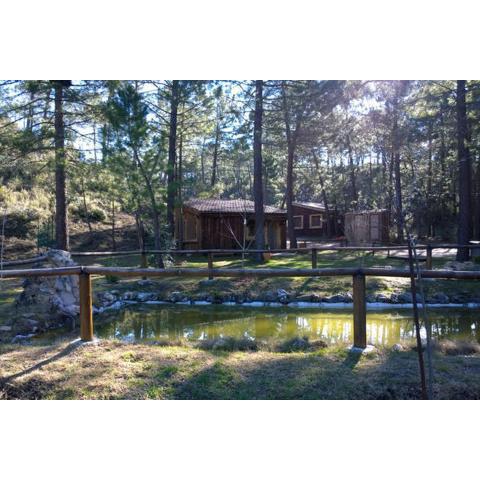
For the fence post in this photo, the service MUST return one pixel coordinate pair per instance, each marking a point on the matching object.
(86, 319)
(314, 258)
(359, 311)
(428, 263)
(210, 265)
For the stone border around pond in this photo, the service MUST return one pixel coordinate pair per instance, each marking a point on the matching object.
(123, 303)
(115, 299)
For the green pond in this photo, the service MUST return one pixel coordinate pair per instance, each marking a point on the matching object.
(173, 322)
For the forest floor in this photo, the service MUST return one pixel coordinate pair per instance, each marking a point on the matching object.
(115, 370)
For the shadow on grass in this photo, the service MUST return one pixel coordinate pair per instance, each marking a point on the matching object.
(194, 374)
(62, 353)
(297, 376)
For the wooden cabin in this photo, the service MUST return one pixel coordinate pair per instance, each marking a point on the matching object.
(227, 224)
(310, 220)
(367, 228)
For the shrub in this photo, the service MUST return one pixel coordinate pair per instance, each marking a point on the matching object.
(229, 344)
(21, 223)
(300, 344)
(94, 214)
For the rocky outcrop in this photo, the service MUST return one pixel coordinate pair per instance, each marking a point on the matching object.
(48, 301)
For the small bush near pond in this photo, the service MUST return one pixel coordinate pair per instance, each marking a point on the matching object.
(229, 344)
(300, 344)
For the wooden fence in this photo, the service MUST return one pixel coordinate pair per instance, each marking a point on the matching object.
(358, 280)
(312, 250)
(211, 253)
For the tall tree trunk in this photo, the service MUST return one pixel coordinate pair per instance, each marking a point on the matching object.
(398, 198)
(61, 221)
(180, 185)
(202, 162)
(476, 204)
(353, 186)
(140, 229)
(85, 206)
(396, 168)
(215, 153)
(172, 144)
(291, 143)
(429, 218)
(324, 194)
(114, 243)
(258, 170)
(464, 175)
(154, 207)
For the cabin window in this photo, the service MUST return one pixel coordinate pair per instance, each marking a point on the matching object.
(316, 221)
(298, 222)
(190, 229)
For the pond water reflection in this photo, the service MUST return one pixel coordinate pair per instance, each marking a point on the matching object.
(172, 322)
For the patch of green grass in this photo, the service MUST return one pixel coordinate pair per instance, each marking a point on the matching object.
(166, 372)
(129, 357)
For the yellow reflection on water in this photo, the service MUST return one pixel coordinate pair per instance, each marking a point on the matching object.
(206, 322)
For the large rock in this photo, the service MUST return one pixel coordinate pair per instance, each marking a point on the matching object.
(50, 300)
(282, 296)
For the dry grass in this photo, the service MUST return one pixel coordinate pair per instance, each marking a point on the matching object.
(113, 370)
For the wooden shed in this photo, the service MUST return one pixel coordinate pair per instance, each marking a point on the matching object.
(367, 228)
(310, 220)
(227, 224)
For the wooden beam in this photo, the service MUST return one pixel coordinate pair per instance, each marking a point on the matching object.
(359, 312)
(238, 272)
(40, 272)
(274, 272)
(86, 317)
(26, 261)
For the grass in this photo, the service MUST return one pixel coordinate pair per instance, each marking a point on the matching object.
(112, 370)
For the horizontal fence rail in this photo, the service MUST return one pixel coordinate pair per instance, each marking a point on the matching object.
(428, 248)
(25, 261)
(237, 251)
(358, 281)
(238, 272)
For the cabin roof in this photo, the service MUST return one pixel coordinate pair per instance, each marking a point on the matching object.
(215, 205)
(311, 205)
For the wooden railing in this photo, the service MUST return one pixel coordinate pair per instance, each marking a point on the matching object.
(358, 280)
(211, 253)
(428, 248)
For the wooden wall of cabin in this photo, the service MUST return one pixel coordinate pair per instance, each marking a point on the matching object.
(221, 231)
(226, 231)
(188, 229)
